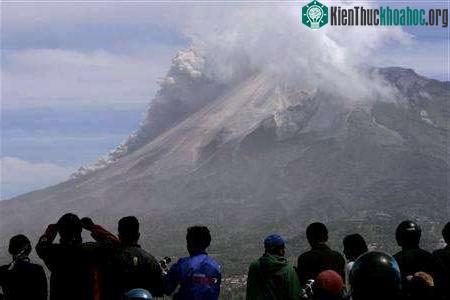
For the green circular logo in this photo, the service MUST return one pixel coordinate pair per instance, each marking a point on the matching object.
(314, 15)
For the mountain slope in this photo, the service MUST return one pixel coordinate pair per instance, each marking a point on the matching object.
(260, 154)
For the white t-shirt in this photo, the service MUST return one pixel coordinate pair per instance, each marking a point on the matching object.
(348, 268)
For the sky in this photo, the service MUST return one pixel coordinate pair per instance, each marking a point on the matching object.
(77, 77)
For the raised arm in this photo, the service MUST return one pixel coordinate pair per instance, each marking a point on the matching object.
(98, 233)
(45, 243)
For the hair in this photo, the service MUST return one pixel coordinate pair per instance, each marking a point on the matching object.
(19, 244)
(446, 233)
(129, 229)
(199, 237)
(317, 232)
(420, 286)
(69, 227)
(354, 246)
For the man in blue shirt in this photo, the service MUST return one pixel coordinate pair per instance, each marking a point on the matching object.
(198, 276)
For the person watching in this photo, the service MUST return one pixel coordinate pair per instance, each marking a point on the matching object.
(272, 276)
(131, 267)
(320, 257)
(74, 265)
(22, 279)
(198, 276)
(354, 247)
(411, 258)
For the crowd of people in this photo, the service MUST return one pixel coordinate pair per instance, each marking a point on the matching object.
(324, 274)
(116, 267)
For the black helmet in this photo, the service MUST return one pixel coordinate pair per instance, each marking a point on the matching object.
(138, 294)
(408, 234)
(375, 275)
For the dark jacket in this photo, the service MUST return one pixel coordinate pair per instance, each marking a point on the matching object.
(132, 267)
(74, 267)
(443, 258)
(23, 280)
(412, 260)
(319, 258)
(272, 277)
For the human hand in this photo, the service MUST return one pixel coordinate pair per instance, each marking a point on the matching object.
(51, 231)
(87, 223)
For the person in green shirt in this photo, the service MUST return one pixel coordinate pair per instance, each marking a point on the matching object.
(272, 276)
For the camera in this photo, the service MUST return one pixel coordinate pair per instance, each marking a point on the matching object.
(308, 290)
(164, 263)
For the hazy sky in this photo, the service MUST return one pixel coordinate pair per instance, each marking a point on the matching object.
(77, 77)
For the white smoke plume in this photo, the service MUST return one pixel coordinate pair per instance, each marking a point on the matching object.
(232, 42)
(236, 41)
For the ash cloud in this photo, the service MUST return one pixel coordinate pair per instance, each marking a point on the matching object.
(230, 44)
(239, 41)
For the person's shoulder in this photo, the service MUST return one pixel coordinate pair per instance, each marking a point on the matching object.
(147, 255)
(337, 254)
(183, 260)
(423, 252)
(255, 263)
(306, 253)
(213, 262)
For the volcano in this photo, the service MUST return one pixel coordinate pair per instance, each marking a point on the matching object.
(260, 154)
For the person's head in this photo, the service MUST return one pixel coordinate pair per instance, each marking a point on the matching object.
(69, 228)
(198, 238)
(19, 245)
(408, 234)
(446, 233)
(317, 233)
(354, 246)
(328, 285)
(137, 294)
(375, 276)
(420, 286)
(274, 244)
(129, 230)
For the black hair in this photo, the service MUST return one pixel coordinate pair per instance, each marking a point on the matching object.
(19, 244)
(446, 233)
(317, 232)
(69, 227)
(354, 246)
(199, 237)
(129, 229)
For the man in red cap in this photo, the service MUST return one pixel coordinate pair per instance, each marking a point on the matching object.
(328, 286)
